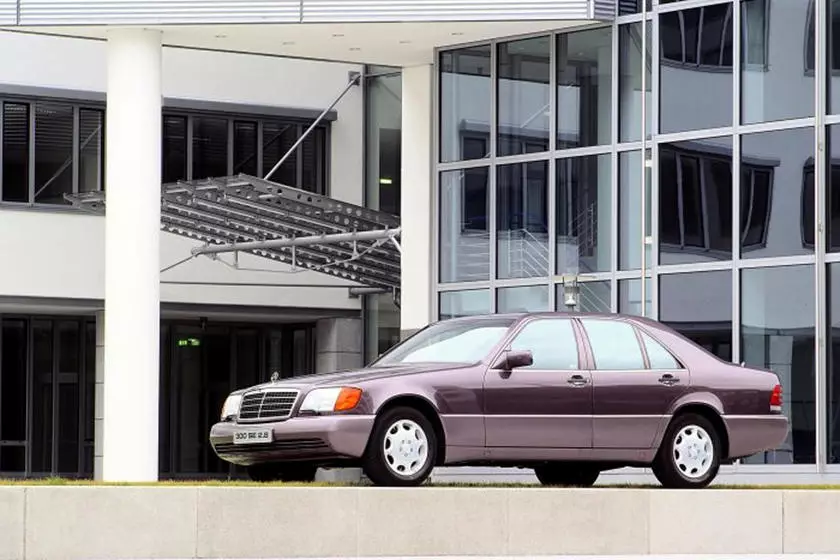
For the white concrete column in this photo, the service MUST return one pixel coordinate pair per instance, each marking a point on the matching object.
(132, 256)
(416, 199)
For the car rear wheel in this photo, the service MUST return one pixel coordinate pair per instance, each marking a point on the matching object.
(402, 449)
(276, 472)
(567, 474)
(689, 456)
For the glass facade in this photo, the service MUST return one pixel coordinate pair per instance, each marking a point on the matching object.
(667, 165)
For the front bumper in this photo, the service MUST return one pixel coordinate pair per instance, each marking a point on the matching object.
(316, 438)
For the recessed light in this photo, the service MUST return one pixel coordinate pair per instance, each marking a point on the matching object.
(457, 33)
(404, 42)
(355, 49)
(338, 34)
(288, 42)
(221, 36)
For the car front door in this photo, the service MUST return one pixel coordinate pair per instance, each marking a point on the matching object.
(547, 404)
(630, 398)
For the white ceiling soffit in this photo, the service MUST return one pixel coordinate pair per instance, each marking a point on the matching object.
(158, 12)
(389, 44)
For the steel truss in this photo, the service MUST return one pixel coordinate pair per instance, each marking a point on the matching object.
(247, 214)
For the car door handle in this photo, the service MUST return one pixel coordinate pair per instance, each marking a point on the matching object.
(669, 379)
(577, 381)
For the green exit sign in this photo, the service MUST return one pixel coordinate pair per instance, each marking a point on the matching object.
(188, 342)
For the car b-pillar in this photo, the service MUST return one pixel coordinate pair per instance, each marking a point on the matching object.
(132, 256)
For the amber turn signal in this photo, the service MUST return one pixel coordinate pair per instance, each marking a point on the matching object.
(347, 399)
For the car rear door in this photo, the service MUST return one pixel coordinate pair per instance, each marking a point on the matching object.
(636, 381)
(547, 404)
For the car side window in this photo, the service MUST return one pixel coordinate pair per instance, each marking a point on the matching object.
(658, 355)
(552, 343)
(614, 345)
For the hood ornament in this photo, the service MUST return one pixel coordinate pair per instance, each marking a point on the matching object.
(275, 376)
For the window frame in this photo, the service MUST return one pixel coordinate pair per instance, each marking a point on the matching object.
(516, 330)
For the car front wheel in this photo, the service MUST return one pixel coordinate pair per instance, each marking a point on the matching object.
(567, 474)
(402, 449)
(689, 456)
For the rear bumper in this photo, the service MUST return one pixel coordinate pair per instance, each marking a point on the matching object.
(753, 434)
(318, 439)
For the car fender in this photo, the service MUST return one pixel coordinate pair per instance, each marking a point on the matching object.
(690, 398)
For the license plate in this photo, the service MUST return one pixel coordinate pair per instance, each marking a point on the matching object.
(252, 436)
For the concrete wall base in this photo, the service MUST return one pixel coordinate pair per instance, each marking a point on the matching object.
(66, 522)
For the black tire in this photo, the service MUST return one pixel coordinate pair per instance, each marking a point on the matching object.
(667, 468)
(377, 463)
(276, 472)
(567, 474)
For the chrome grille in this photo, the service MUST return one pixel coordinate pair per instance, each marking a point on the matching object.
(267, 404)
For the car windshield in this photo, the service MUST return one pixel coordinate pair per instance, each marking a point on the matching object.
(450, 342)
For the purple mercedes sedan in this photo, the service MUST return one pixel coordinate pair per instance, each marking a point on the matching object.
(567, 395)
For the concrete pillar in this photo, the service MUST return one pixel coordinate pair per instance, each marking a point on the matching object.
(99, 396)
(416, 203)
(132, 256)
(338, 344)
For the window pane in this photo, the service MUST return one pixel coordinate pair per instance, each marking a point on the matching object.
(522, 220)
(42, 389)
(628, 7)
(244, 148)
(630, 297)
(278, 137)
(695, 201)
(383, 150)
(593, 297)
(382, 324)
(464, 303)
(584, 78)
(91, 160)
(174, 149)
(464, 229)
(772, 168)
(68, 374)
(13, 459)
(696, 69)
(15, 152)
(13, 362)
(53, 152)
(629, 210)
(465, 92)
(833, 14)
(210, 147)
(777, 312)
(584, 214)
(658, 356)
(833, 386)
(526, 299)
(832, 193)
(699, 306)
(614, 345)
(762, 98)
(630, 82)
(552, 343)
(313, 161)
(524, 96)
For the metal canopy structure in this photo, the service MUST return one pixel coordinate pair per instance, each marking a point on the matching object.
(243, 213)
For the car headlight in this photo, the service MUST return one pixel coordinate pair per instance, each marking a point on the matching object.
(333, 399)
(231, 406)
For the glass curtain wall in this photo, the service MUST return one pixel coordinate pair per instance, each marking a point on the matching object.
(666, 163)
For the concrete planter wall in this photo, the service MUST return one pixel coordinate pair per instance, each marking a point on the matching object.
(250, 522)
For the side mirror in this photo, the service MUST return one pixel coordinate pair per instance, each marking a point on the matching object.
(513, 359)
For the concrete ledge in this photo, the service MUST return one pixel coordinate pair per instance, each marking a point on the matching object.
(66, 522)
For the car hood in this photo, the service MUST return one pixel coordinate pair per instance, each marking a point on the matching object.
(348, 377)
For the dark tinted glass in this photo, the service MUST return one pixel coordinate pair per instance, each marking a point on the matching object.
(584, 83)
(584, 214)
(522, 220)
(695, 201)
(174, 149)
(42, 396)
(278, 138)
(773, 166)
(313, 162)
(15, 152)
(777, 313)
(699, 305)
(629, 7)
(245, 147)
(833, 386)
(53, 152)
(629, 210)
(69, 371)
(13, 358)
(91, 150)
(465, 92)
(210, 147)
(464, 226)
(696, 82)
(524, 96)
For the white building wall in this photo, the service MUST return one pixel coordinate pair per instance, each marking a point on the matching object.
(61, 255)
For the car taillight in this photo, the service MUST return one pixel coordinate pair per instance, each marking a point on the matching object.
(776, 398)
